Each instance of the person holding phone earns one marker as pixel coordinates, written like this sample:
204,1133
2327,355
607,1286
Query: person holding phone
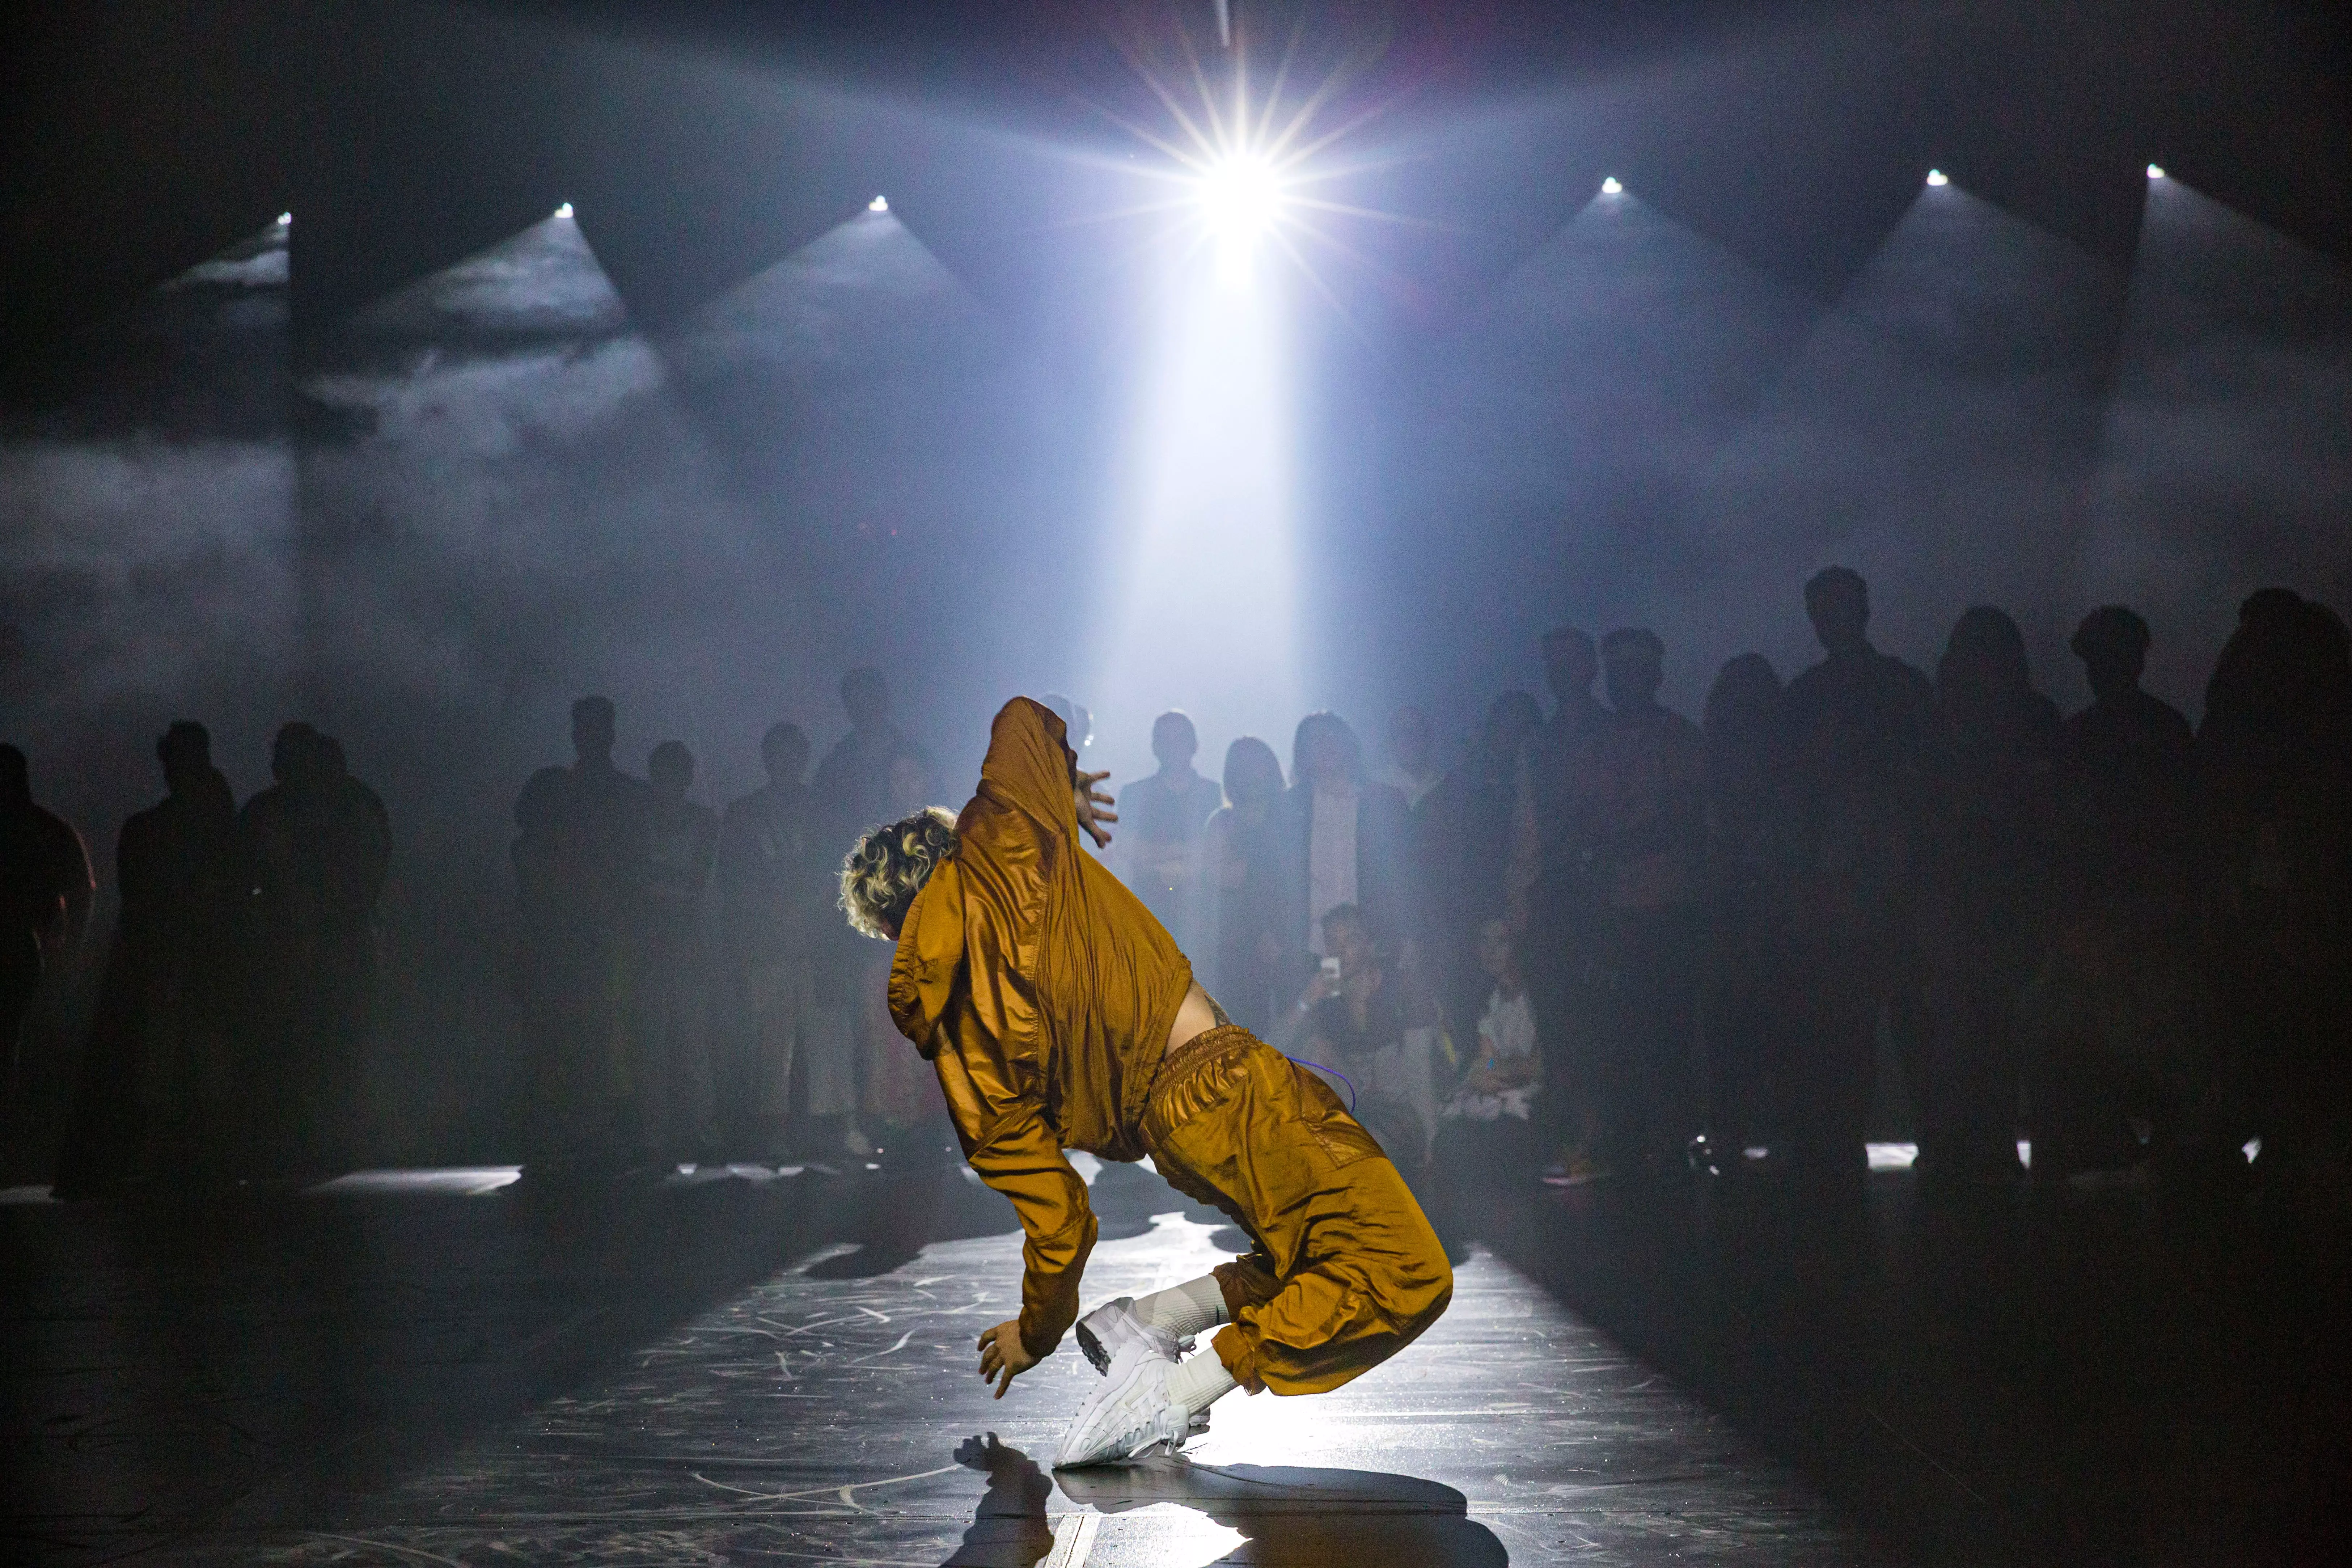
1059,1015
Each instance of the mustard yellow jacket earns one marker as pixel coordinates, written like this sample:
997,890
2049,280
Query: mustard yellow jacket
1042,991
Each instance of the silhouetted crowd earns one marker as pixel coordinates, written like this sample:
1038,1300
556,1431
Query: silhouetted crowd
1611,942
657,1033
1601,943
231,1020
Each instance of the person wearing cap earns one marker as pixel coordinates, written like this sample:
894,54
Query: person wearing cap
2117,1016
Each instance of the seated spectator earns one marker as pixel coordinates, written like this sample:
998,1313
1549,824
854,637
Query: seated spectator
1486,1134
1348,1025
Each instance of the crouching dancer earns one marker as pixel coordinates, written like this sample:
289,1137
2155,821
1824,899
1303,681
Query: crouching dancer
1060,1016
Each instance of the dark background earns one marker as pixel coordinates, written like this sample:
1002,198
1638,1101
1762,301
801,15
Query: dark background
425,464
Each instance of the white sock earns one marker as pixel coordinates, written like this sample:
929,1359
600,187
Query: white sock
1184,1310
1201,1382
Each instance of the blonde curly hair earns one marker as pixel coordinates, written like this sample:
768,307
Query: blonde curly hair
880,877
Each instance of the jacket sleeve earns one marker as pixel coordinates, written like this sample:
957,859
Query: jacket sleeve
1021,1159
1030,766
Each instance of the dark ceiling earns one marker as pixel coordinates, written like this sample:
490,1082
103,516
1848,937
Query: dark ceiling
701,139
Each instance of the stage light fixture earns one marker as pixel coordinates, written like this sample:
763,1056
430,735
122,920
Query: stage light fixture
564,210
1938,177
1610,187
877,206
2156,171
285,220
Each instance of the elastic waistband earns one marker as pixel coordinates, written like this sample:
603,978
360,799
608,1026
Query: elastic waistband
1200,1049
1188,1077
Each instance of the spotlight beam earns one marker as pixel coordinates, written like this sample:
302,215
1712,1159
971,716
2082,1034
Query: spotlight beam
1245,157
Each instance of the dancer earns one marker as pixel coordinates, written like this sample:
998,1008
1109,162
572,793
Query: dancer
1059,1015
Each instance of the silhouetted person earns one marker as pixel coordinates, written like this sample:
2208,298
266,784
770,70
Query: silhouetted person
853,784
2125,767
1562,911
2274,760
779,885
316,847
900,1112
1985,849
1570,666
853,789
2117,1027
1162,817
1858,723
1745,998
1638,777
672,994
1077,723
580,867
153,1092
1409,761
1476,837
1244,860
542,963
46,891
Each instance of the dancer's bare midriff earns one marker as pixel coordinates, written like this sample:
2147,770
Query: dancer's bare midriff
1196,1017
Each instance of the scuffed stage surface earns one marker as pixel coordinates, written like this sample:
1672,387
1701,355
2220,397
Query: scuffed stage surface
738,1371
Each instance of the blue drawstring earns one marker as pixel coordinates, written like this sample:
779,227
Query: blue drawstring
1335,1072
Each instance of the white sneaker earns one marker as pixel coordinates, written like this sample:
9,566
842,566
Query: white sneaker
1113,1326
1131,1414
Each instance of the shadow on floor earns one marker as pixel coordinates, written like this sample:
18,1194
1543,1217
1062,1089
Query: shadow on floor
1293,1514
1287,1514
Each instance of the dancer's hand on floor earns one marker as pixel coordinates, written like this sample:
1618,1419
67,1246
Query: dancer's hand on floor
1003,1356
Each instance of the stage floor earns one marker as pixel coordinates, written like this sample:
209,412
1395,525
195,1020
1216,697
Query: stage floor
735,1367
824,1408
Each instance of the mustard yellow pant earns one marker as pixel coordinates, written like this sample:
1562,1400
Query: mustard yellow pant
1346,1272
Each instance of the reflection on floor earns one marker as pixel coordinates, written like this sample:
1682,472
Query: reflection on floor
740,1366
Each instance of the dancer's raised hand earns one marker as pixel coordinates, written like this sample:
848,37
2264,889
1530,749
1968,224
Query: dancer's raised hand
1093,804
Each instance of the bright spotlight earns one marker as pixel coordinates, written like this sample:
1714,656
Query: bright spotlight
285,220
877,206
1610,187
563,211
2156,171
1242,196
1938,177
